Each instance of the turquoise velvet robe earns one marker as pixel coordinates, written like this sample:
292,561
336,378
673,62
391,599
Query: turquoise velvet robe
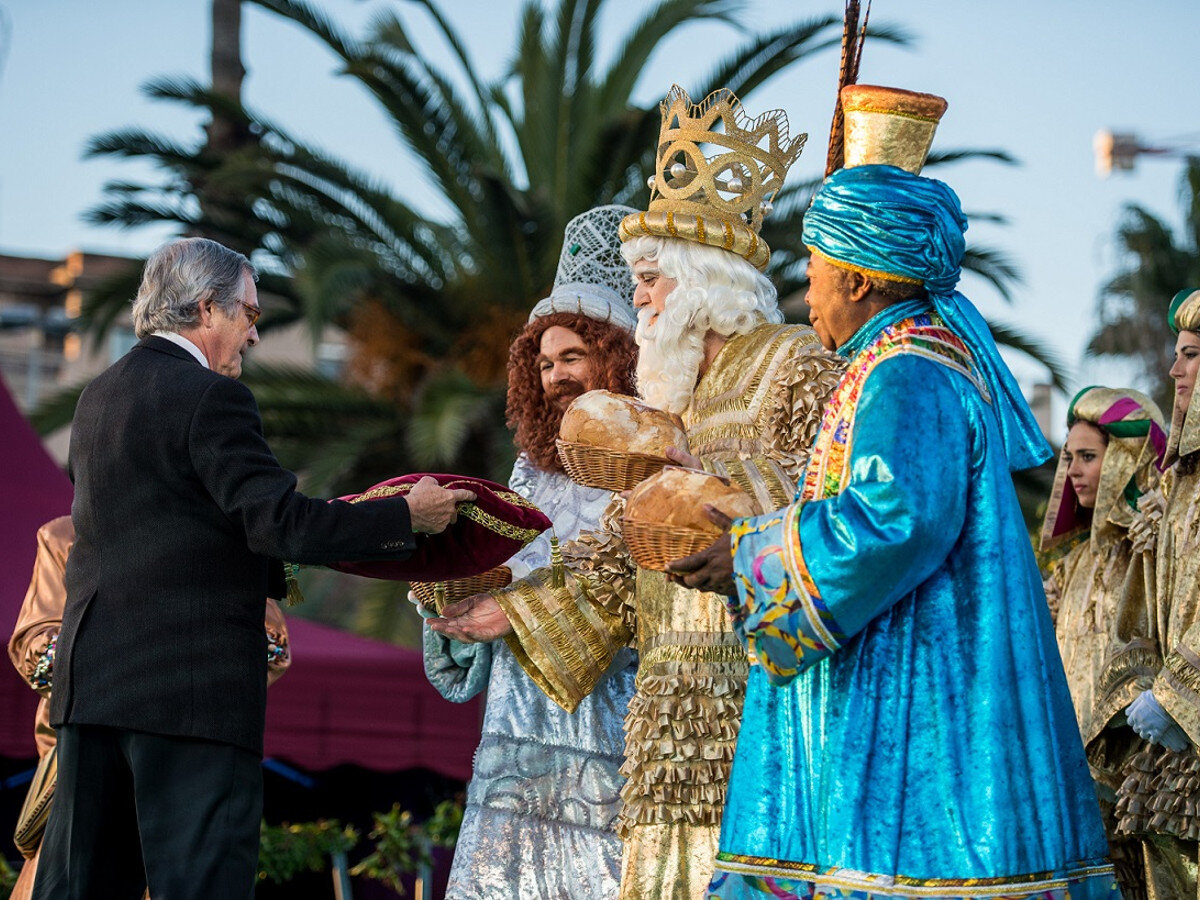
908,729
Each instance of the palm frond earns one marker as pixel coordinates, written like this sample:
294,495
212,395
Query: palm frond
947,157
1038,351
639,44
995,267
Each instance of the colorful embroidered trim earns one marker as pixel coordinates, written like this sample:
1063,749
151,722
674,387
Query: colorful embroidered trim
922,335
786,624
783,878
470,510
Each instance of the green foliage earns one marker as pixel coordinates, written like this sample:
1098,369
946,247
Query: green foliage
1156,264
286,850
399,844
432,300
8,879
401,847
445,824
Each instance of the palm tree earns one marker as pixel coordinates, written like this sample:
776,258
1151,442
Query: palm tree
514,160
1132,306
430,302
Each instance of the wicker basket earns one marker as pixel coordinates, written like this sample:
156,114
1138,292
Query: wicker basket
613,470
460,588
652,544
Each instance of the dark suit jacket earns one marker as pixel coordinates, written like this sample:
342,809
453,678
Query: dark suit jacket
181,514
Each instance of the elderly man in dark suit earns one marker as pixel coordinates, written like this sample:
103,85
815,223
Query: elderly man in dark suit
182,514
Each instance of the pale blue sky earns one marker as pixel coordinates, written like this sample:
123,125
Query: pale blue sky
1035,77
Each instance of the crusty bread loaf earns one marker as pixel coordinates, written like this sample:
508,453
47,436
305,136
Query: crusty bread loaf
676,497
621,423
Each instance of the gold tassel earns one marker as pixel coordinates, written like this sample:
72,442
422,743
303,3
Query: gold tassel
439,597
557,578
294,595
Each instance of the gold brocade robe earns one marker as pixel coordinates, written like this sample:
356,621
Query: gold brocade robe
1105,634
1177,596
1159,799
752,418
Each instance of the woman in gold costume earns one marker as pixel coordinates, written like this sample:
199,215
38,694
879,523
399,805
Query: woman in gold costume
1159,800
1110,459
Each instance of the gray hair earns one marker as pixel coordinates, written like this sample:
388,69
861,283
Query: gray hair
179,276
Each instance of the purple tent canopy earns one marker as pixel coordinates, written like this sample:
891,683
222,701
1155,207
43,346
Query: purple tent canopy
33,490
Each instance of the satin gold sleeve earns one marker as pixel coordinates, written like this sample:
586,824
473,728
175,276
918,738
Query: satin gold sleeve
566,636
1177,686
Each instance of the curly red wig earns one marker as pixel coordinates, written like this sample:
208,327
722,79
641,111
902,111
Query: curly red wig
528,413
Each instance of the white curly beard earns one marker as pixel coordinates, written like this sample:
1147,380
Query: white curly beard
669,358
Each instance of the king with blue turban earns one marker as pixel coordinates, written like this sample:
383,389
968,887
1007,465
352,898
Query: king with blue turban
908,730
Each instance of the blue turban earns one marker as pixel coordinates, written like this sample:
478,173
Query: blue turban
886,221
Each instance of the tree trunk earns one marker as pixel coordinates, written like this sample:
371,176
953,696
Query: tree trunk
224,133
222,210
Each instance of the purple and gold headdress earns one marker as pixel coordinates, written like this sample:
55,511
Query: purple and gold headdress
1132,460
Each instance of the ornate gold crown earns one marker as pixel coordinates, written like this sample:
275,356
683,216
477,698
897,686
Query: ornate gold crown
719,200
889,126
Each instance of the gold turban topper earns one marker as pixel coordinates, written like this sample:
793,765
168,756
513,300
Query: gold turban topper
889,126
719,200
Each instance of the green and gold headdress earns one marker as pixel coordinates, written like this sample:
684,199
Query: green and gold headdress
1184,315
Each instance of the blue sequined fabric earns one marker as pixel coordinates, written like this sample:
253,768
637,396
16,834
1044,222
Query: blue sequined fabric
907,729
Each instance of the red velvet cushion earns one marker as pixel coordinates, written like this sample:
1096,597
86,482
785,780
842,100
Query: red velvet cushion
486,533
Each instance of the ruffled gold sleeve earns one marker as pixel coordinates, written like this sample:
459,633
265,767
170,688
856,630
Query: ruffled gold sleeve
798,382
1177,686
566,636
1134,658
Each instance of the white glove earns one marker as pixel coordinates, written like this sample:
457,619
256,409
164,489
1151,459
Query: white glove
1153,723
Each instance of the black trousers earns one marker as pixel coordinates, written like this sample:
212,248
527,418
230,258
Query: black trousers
180,815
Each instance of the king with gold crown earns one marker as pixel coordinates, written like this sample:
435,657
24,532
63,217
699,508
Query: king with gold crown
908,730
713,349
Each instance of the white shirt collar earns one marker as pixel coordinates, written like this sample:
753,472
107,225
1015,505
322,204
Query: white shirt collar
185,344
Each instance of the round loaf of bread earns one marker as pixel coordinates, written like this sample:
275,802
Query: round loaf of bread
676,497
620,423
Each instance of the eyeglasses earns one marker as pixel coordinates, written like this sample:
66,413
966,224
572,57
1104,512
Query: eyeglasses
252,312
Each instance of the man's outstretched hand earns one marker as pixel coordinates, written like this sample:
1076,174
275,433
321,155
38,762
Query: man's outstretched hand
710,569
433,508
476,619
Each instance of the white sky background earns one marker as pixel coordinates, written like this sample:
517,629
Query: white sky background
1037,78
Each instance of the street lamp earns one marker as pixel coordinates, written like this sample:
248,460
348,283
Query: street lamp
1116,151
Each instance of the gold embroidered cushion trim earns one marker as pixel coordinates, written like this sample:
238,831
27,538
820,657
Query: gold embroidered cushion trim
486,532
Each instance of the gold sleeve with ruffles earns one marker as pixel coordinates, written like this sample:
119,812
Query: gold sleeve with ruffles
1134,657
565,636
801,382
1177,686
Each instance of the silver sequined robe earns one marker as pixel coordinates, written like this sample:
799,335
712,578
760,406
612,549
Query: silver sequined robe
545,792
